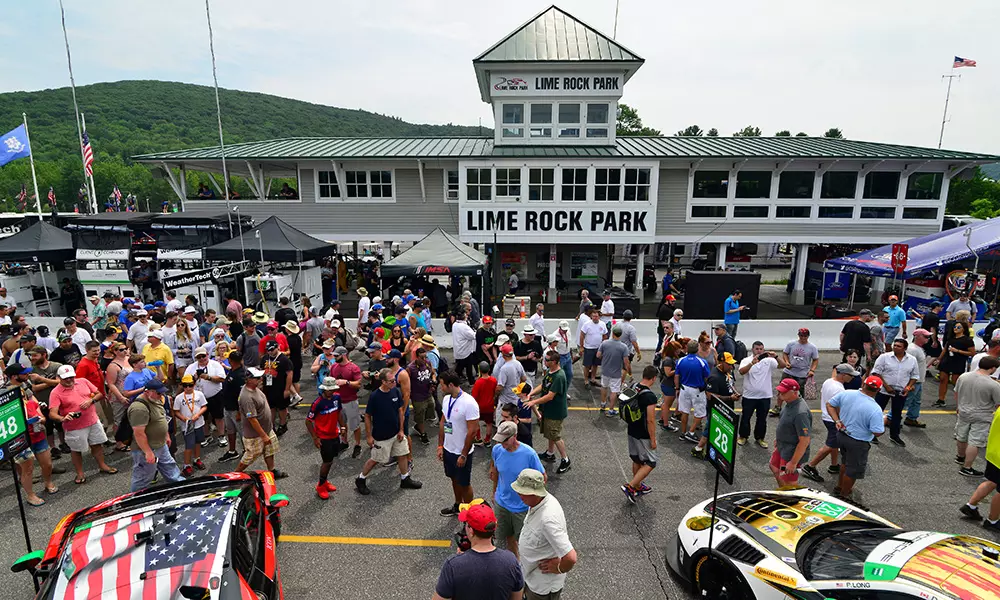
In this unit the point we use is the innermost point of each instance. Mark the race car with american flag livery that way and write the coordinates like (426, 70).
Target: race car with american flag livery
(211, 538)
(805, 544)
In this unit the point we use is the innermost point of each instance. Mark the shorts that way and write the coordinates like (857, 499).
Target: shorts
(460, 475)
(788, 478)
(35, 449)
(420, 411)
(383, 450)
(509, 524)
(254, 448)
(194, 437)
(232, 425)
(80, 440)
(552, 429)
(692, 400)
(853, 455)
(275, 399)
(640, 452)
(992, 473)
(119, 411)
(972, 433)
(590, 357)
(329, 449)
(668, 391)
(612, 383)
(831, 435)
(352, 414)
(488, 417)
(296, 373)
(215, 406)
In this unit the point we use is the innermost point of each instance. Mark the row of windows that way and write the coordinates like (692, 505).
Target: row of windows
(358, 184)
(567, 124)
(879, 185)
(610, 184)
(806, 212)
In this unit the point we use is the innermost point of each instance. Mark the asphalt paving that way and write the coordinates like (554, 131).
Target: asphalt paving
(391, 544)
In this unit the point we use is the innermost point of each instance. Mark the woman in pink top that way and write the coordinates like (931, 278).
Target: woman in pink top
(72, 404)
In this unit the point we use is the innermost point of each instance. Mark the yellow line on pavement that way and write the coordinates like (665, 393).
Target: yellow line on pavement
(364, 541)
(816, 411)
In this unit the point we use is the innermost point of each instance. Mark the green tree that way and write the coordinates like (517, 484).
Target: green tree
(984, 208)
(713, 132)
(691, 131)
(630, 124)
(964, 192)
(783, 133)
(748, 131)
(834, 133)
(801, 134)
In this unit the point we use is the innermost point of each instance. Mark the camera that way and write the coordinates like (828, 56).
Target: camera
(462, 541)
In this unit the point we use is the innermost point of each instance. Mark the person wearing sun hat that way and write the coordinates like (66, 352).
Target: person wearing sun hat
(544, 547)
(326, 424)
(295, 355)
(482, 570)
(364, 306)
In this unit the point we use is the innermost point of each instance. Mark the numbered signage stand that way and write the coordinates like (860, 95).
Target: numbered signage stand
(721, 450)
(13, 440)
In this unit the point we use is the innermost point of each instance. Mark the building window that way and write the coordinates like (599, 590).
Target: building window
(710, 184)
(708, 212)
(574, 185)
(597, 114)
(451, 185)
(637, 182)
(541, 121)
(607, 184)
(513, 114)
(839, 184)
(508, 182)
(328, 187)
(569, 120)
(792, 212)
(878, 212)
(357, 184)
(920, 213)
(924, 186)
(381, 184)
(541, 184)
(479, 184)
(753, 184)
(836, 212)
(796, 184)
(750, 212)
(881, 185)
(368, 184)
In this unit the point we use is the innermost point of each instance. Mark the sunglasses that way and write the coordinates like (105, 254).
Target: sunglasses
(187, 385)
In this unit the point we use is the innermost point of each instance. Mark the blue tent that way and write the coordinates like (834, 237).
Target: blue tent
(927, 253)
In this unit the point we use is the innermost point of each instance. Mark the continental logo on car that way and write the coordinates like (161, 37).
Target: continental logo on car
(769, 575)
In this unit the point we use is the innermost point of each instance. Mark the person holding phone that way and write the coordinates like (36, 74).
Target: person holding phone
(72, 404)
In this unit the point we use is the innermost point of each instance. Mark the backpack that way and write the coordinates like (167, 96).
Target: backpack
(442, 364)
(630, 410)
(741, 351)
(351, 339)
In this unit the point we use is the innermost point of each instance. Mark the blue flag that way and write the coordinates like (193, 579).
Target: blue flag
(14, 145)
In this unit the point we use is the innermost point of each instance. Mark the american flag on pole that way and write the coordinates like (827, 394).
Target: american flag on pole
(52, 197)
(117, 193)
(104, 560)
(88, 155)
(963, 62)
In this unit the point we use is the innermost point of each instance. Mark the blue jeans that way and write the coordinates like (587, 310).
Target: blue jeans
(890, 333)
(566, 364)
(912, 403)
(142, 471)
(731, 329)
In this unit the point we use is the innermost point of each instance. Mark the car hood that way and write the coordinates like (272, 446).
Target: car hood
(958, 565)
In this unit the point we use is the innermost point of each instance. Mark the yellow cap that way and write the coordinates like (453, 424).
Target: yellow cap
(187, 379)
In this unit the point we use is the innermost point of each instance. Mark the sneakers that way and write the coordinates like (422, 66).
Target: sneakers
(761, 443)
(451, 511)
(361, 484)
(774, 412)
(643, 489)
(833, 469)
(603, 407)
(630, 494)
(698, 453)
(279, 474)
(280, 430)
(206, 442)
(898, 441)
(229, 455)
(810, 472)
(741, 441)
(939, 404)
(875, 441)
(970, 512)
(322, 492)
(424, 439)
(199, 465)
(991, 525)
(409, 483)
(547, 456)
(564, 465)
(223, 442)
(914, 423)
(959, 460)
(611, 413)
(970, 472)
(187, 471)
(357, 451)
(668, 427)
(690, 437)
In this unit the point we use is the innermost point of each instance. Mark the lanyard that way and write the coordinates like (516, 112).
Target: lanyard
(189, 403)
(451, 405)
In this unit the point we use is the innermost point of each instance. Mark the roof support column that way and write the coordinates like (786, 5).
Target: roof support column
(255, 185)
(904, 184)
(640, 270)
(339, 173)
(215, 184)
(173, 182)
(818, 182)
(779, 168)
(423, 187)
(553, 296)
(801, 265)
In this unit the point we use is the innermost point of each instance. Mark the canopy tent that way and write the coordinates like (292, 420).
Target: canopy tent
(926, 253)
(40, 242)
(439, 253)
(274, 239)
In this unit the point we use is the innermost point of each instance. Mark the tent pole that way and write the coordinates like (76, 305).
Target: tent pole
(45, 288)
(854, 281)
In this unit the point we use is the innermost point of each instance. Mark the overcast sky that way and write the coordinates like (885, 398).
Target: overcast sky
(872, 68)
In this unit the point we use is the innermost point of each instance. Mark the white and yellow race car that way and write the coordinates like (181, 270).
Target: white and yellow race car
(808, 545)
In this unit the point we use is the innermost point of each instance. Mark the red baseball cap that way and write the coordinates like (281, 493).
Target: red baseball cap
(487, 319)
(671, 297)
(788, 385)
(507, 349)
(893, 297)
(804, 331)
(480, 518)
(272, 324)
(873, 381)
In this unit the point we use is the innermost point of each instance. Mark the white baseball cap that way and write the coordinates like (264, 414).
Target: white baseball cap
(189, 310)
(66, 371)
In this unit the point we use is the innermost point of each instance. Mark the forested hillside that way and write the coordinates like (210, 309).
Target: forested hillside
(134, 117)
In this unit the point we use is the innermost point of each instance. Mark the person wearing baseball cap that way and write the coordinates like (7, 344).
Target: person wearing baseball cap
(720, 385)
(843, 374)
(545, 550)
(272, 334)
(614, 362)
(896, 323)
(277, 382)
(151, 454)
(259, 438)
(509, 374)
(792, 435)
(859, 421)
(72, 403)
(802, 358)
(469, 574)
(486, 336)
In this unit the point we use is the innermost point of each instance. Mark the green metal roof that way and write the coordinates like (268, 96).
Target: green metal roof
(626, 147)
(555, 35)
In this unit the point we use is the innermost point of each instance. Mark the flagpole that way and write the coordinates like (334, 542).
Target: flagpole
(218, 114)
(31, 159)
(947, 97)
(93, 191)
(72, 87)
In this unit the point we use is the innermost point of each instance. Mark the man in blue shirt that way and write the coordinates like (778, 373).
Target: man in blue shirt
(691, 373)
(897, 321)
(732, 310)
(668, 282)
(859, 420)
(510, 457)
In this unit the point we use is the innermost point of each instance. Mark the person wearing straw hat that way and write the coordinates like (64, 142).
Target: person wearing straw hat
(364, 305)
(327, 426)
(546, 553)
(434, 358)
(295, 355)
(528, 352)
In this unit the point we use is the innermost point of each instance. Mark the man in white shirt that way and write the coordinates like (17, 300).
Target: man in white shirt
(138, 332)
(512, 283)
(537, 320)
(676, 322)
(992, 349)
(544, 549)
(173, 304)
(912, 405)
(898, 371)
(208, 377)
(463, 340)
(592, 333)
(192, 323)
(80, 335)
(169, 331)
(364, 305)
(459, 428)
(842, 375)
(607, 308)
(7, 301)
(756, 370)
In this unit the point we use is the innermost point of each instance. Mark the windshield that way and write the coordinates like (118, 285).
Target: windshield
(839, 550)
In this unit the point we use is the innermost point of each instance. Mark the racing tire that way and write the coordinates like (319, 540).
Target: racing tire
(713, 576)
